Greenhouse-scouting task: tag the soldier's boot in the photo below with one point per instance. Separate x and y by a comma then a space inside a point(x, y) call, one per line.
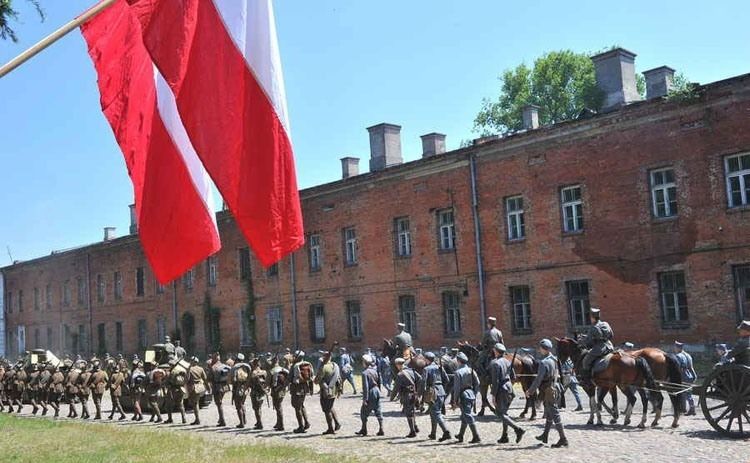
point(433, 430)
point(300, 422)
point(98, 409)
point(169, 418)
point(336, 424)
point(329, 421)
point(504, 437)
point(460, 435)
point(474, 434)
point(412, 431)
point(279, 426)
point(380, 427)
point(258, 421)
point(57, 410)
point(182, 414)
point(563, 442)
point(446, 436)
point(519, 433)
point(221, 416)
point(44, 409)
point(72, 411)
point(304, 415)
point(84, 411)
point(157, 412)
point(544, 435)
point(363, 430)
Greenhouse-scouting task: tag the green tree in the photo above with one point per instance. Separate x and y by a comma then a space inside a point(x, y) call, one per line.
point(8, 14)
point(562, 83)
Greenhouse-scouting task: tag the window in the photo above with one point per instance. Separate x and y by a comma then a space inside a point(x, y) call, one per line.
point(82, 341)
point(514, 218)
point(142, 334)
point(273, 270)
point(663, 193)
point(212, 268)
point(66, 293)
point(742, 287)
point(10, 302)
point(37, 339)
point(36, 299)
point(101, 338)
point(159, 287)
point(101, 287)
point(161, 329)
point(81, 285)
point(354, 319)
point(317, 323)
point(49, 338)
point(578, 302)
point(117, 284)
point(446, 230)
point(20, 300)
point(738, 179)
point(314, 249)
point(402, 229)
point(521, 309)
point(407, 314)
point(275, 326)
point(452, 313)
point(48, 296)
point(673, 298)
point(244, 258)
point(246, 338)
point(140, 281)
point(187, 280)
point(118, 336)
point(350, 246)
point(572, 209)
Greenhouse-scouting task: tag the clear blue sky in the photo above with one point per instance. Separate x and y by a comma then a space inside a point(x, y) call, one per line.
point(425, 65)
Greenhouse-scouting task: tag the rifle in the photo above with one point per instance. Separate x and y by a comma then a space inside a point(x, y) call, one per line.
point(513, 360)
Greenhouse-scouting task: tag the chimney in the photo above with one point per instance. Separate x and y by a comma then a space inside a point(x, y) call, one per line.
point(658, 81)
point(109, 233)
point(530, 117)
point(385, 146)
point(615, 76)
point(133, 220)
point(349, 167)
point(432, 144)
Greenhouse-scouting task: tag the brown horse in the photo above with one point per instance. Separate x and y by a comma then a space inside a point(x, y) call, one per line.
point(664, 368)
point(411, 360)
point(624, 371)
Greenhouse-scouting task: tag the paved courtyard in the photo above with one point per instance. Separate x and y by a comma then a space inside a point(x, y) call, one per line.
point(693, 441)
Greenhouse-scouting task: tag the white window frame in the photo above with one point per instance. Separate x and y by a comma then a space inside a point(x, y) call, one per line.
point(666, 189)
point(318, 319)
point(514, 216)
point(402, 226)
point(447, 229)
point(187, 280)
point(275, 325)
point(452, 313)
point(521, 308)
point(101, 288)
point(577, 304)
point(354, 319)
point(407, 313)
point(670, 300)
point(117, 278)
point(315, 260)
point(743, 178)
point(572, 210)
point(350, 245)
point(213, 271)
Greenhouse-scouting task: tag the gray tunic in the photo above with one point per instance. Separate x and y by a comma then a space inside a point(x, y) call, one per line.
point(741, 351)
point(402, 340)
point(599, 339)
point(491, 337)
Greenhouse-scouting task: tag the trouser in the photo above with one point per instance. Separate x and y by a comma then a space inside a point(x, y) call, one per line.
point(502, 405)
point(34, 399)
point(298, 403)
point(195, 402)
point(71, 399)
point(178, 402)
point(53, 399)
point(137, 412)
point(44, 400)
point(436, 414)
point(218, 396)
point(153, 403)
point(552, 414)
point(257, 402)
point(97, 405)
point(238, 399)
point(84, 406)
point(371, 405)
point(350, 379)
point(466, 401)
point(116, 406)
point(687, 402)
point(326, 404)
point(278, 406)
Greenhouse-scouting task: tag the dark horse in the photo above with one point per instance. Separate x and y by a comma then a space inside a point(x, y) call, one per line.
point(411, 360)
point(525, 368)
point(625, 371)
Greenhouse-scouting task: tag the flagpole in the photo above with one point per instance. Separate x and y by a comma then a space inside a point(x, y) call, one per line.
point(54, 37)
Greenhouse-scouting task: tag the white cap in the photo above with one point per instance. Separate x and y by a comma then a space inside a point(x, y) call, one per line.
point(491, 319)
point(401, 325)
point(240, 356)
point(367, 358)
point(399, 361)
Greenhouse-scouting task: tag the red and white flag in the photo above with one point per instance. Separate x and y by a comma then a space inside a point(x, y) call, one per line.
point(221, 60)
point(173, 200)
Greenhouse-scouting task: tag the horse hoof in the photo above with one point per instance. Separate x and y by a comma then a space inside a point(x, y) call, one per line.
point(675, 425)
point(481, 413)
point(613, 421)
point(654, 424)
point(590, 422)
point(522, 415)
point(626, 423)
point(642, 426)
point(599, 424)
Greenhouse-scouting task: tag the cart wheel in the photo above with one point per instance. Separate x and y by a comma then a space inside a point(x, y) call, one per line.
point(725, 400)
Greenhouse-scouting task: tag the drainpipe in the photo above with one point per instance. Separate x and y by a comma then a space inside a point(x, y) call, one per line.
point(477, 239)
point(293, 278)
point(88, 303)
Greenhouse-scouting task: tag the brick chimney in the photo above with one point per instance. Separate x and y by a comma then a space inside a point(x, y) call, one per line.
point(385, 146)
point(615, 76)
point(109, 233)
point(530, 117)
point(349, 167)
point(133, 220)
point(658, 81)
point(432, 144)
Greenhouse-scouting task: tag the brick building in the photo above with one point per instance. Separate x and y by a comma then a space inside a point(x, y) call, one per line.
point(642, 209)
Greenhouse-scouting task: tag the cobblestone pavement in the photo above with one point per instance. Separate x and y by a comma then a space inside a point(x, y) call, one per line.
point(693, 441)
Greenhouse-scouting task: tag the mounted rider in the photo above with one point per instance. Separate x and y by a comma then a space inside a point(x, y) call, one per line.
point(492, 336)
point(740, 353)
point(598, 340)
point(402, 340)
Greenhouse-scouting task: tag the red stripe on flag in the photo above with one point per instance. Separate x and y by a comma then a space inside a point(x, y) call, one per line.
point(229, 119)
point(176, 229)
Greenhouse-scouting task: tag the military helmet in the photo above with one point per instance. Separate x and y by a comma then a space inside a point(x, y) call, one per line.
point(367, 358)
point(462, 357)
point(429, 356)
point(399, 361)
point(546, 343)
point(500, 347)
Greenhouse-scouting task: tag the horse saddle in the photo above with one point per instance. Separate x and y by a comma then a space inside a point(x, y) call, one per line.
point(601, 363)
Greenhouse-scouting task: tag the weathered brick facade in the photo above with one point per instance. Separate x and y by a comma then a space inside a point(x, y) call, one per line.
point(621, 252)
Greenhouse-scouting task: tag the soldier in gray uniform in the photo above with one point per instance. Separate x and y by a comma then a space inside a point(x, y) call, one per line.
point(501, 372)
point(179, 351)
point(465, 390)
point(547, 382)
point(435, 380)
point(370, 395)
point(402, 340)
point(740, 353)
point(408, 382)
point(347, 368)
point(599, 340)
point(169, 347)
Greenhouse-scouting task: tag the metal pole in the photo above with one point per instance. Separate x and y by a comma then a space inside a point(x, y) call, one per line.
point(477, 239)
point(293, 277)
point(54, 37)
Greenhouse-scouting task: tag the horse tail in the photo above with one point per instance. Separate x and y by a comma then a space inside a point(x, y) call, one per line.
point(648, 374)
point(674, 375)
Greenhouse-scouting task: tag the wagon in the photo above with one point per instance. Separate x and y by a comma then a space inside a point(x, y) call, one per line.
point(725, 399)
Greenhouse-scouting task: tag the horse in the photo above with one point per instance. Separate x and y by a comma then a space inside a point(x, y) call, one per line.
point(665, 368)
point(623, 371)
point(525, 368)
point(416, 362)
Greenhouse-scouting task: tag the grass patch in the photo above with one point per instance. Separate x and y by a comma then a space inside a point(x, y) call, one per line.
point(37, 440)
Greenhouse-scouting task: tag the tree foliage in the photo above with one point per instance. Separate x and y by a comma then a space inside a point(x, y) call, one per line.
point(562, 83)
point(8, 14)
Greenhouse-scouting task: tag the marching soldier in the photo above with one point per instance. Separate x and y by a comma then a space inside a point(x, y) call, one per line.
point(329, 381)
point(402, 340)
point(407, 384)
point(84, 389)
point(434, 396)
point(501, 371)
point(279, 380)
point(370, 395)
point(116, 382)
point(258, 391)
point(346, 368)
point(465, 390)
point(241, 372)
point(137, 387)
point(688, 376)
point(179, 351)
point(34, 375)
point(547, 381)
point(169, 347)
point(197, 382)
point(71, 386)
point(599, 340)
point(219, 375)
point(123, 364)
point(56, 388)
point(300, 386)
point(569, 381)
point(45, 382)
point(287, 360)
point(98, 381)
point(3, 369)
point(154, 390)
point(384, 370)
point(20, 381)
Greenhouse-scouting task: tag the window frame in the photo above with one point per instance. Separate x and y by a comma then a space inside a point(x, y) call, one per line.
point(578, 218)
point(275, 325)
point(407, 314)
point(315, 260)
point(743, 303)
point(37, 297)
point(519, 214)
point(118, 336)
point(101, 288)
point(676, 321)
point(117, 285)
point(244, 264)
point(586, 301)
point(142, 333)
point(48, 296)
point(402, 237)
point(212, 271)
point(273, 270)
point(743, 176)
point(354, 312)
point(664, 188)
point(351, 246)
point(315, 311)
point(140, 281)
point(451, 313)
point(447, 243)
point(188, 280)
point(524, 306)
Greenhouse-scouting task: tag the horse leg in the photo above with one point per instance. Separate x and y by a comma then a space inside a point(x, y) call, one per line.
point(676, 406)
point(645, 396)
point(658, 402)
point(531, 402)
point(600, 395)
point(630, 394)
point(615, 409)
point(592, 406)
